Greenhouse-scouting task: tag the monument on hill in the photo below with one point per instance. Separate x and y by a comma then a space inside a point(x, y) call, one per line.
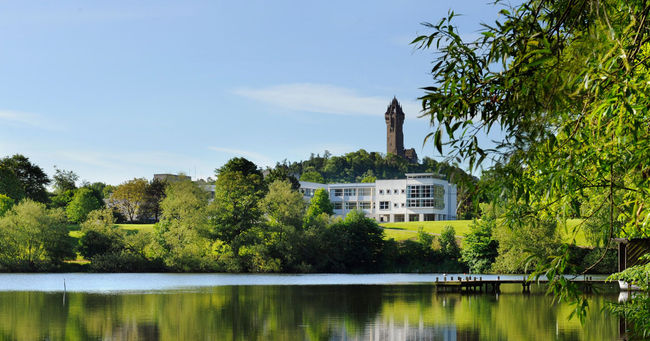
point(394, 134)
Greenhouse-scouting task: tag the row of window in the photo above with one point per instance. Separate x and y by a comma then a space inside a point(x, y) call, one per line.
point(388, 191)
point(353, 205)
point(425, 191)
point(438, 203)
point(350, 192)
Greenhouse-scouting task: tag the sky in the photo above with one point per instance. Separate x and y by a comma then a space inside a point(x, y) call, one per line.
point(115, 90)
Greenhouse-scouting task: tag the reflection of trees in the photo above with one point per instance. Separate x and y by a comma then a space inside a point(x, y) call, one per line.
point(295, 312)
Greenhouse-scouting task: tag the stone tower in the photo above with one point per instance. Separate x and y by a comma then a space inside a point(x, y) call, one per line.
point(394, 135)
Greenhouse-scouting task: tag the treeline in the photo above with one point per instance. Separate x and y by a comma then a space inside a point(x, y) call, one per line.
point(253, 224)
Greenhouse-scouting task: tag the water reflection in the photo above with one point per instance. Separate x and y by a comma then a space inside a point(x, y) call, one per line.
point(355, 312)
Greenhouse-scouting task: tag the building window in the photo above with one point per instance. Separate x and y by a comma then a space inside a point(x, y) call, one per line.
point(363, 192)
point(338, 205)
point(402, 204)
point(395, 205)
point(364, 205)
point(429, 217)
point(399, 218)
point(338, 192)
point(414, 217)
point(402, 191)
point(381, 191)
point(425, 196)
point(349, 192)
point(351, 205)
point(395, 191)
point(384, 205)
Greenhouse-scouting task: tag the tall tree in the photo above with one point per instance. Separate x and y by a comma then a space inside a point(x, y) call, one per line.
point(155, 193)
point(129, 196)
point(64, 180)
point(567, 83)
point(82, 203)
point(10, 185)
point(320, 204)
point(31, 176)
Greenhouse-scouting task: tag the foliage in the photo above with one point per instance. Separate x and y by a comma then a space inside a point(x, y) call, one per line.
point(154, 194)
point(479, 246)
point(181, 237)
point(5, 204)
point(31, 177)
point(64, 180)
point(522, 247)
point(61, 199)
point(83, 202)
point(100, 235)
point(579, 72)
point(319, 204)
point(636, 309)
point(448, 245)
point(281, 172)
point(33, 238)
point(10, 185)
point(129, 196)
point(283, 205)
point(312, 176)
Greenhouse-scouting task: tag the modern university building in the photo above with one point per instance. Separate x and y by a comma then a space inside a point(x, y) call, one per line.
point(419, 197)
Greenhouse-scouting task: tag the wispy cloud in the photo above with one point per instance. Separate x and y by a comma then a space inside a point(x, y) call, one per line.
point(28, 119)
point(257, 158)
point(323, 98)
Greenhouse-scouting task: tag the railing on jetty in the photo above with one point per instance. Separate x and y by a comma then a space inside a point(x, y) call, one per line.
point(465, 283)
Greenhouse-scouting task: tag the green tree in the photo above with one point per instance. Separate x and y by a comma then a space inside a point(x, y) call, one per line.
point(320, 204)
point(479, 246)
point(10, 185)
point(129, 196)
point(83, 202)
point(312, 176)
point(579, 72)
point(181, 236)
point(5, 204)
point(64, 180)
point(100, 234)
point(281, 172)
point(33, 238)
point(32, 178)
point(448, 245)
point(356, 244)
point(283, 205)
point(155, 193)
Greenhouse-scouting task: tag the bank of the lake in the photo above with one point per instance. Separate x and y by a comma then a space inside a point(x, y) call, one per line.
point(282, 307)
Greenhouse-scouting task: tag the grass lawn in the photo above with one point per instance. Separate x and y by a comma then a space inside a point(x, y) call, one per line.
point(136, 227)
point(409, 230)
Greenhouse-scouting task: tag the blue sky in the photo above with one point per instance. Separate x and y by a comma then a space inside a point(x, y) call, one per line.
point(120, 89)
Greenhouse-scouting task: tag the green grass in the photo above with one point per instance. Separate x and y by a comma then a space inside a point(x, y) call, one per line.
point(409, 230)
point(136, 227)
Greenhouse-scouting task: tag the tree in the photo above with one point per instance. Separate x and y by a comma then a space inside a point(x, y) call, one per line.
point(10, 185)
point(320, 204)
point(312, 176)
point(5, 204)
point(281, 172)
point(155, 193)
point(82, 203)
point(283, 205)
point(236, 205)
point(448, 245)
point(356, 244)
point(479, 246)
point(100, 234)
point(64, 180)
point(567, 83)
point(181, 236)
point(129, 196)
point(33, 238)
point(31, 176)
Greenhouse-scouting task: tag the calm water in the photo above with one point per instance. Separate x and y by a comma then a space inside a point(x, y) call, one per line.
point(280, 307)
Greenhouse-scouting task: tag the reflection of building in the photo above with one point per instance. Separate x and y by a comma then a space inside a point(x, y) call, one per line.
point(419, 197)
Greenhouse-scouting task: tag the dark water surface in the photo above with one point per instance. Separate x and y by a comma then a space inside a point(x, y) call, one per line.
point(281, 307)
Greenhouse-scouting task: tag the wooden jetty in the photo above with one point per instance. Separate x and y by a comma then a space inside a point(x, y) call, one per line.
point(464, 283)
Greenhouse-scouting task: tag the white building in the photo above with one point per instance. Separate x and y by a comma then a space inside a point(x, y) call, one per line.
point(419, 197)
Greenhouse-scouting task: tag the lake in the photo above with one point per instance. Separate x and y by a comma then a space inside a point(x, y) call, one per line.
point(281, 307)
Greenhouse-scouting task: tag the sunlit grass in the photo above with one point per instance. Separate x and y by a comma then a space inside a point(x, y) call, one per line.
point(136, 227)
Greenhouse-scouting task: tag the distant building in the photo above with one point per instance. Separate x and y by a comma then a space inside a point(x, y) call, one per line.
point(394, 117)
point(419, 197)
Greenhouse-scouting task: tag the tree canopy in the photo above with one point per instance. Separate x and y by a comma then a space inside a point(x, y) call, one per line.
point(567, 84)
